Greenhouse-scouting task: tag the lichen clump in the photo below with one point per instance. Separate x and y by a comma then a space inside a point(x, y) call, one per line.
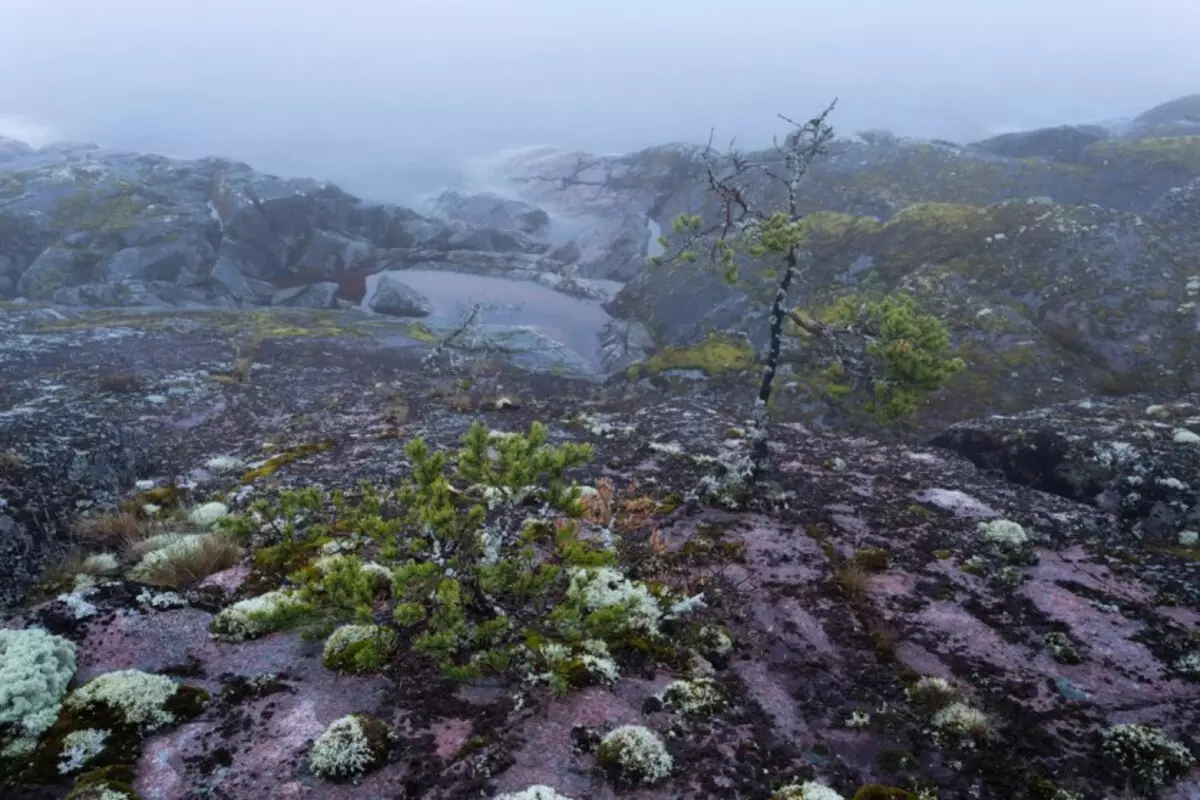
point(1147, 753)
point(139, 697)
point(533, 793)
point(1005, 533)
point(349, 747)
point(700, 696)
point(256, 616)
point(809, 790)
point(633, 755)
point(35, 669)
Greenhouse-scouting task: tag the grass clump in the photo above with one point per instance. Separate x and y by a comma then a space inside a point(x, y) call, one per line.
point(185, 559)
point(1151, 758)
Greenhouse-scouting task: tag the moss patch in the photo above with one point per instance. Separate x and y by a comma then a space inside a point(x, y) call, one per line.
point(718, 354)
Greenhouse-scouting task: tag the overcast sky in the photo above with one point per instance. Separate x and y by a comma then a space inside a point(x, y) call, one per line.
point(362, 90)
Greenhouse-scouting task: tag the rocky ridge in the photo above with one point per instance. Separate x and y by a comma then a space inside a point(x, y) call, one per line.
point(864, 569)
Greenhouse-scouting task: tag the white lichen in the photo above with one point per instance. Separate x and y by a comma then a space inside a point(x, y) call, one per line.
point(1147, 752)
point(206, 516)
point(344, 750)
point(697, 696)
point(1185, 436)
point(810, 790)
point(35, 669)
point(80, 747)
point(1188, 538)
point(100, 564)
point(1004, 532)
point(255, 616)
point(605, 587)
point(140, 697)
point(533, 793)
point(635, 755)
point(80, 608)
point(961, 721)
point(223, 465)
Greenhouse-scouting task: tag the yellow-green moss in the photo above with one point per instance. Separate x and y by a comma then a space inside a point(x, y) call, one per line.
point(718, 354)
point(287, 457)
point(421, 333)
point(1181, 152)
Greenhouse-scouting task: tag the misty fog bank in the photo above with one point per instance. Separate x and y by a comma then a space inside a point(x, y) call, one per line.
point(389, 98)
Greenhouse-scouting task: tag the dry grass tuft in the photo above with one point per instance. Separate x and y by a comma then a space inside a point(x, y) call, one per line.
point(187, 559)
point(114, 530)
point(119, 383)
point(852, 582)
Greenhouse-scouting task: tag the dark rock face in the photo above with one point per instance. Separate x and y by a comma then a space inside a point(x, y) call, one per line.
point(1065, 143)
point(1134, 460)
point(47, 476)
point(83, 217)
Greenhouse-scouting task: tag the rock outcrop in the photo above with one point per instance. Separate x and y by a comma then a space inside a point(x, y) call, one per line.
point(393, 296)
point(887, 615)
point(80, 225)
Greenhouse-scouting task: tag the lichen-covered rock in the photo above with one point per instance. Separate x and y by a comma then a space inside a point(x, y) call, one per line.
point(349, 747)
point(1120, 454)
point(634, 755)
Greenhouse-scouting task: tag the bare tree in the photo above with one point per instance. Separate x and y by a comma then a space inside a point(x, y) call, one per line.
point(900, 353)
point(741, 227)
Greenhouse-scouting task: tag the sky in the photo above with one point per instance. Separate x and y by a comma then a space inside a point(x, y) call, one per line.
point(385, 97)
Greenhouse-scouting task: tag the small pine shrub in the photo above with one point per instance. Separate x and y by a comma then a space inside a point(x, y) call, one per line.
point(480, 564)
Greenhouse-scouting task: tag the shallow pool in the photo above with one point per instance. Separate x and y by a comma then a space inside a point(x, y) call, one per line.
point(566, 319)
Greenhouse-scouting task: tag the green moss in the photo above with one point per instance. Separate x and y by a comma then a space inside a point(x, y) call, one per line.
point(421, 333)
point(359, 648)
point(101, 784)
point(878, 792)
point(287, 457)
point(1172, 152)
point(718, 354)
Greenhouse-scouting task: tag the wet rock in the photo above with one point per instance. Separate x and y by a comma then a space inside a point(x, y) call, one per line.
point(394, 297)
point(491, 211)
point(317, 295)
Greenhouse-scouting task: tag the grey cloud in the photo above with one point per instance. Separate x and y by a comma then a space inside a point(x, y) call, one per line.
point(384, 96)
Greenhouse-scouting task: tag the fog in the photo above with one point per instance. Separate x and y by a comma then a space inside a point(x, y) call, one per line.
point(389, 97)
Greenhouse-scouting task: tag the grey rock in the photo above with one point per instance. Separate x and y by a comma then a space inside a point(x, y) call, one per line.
point(317, 295)
point(624, 343)
point(394, 297)
point(238, 286)
point(489, 210)
point(121, 294)
point(54, 269)
point(78, 214)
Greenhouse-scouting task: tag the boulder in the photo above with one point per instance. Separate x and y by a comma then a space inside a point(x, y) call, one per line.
point(623, 343)
point(394, 297)
point(491, 211)
point(121, 294)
